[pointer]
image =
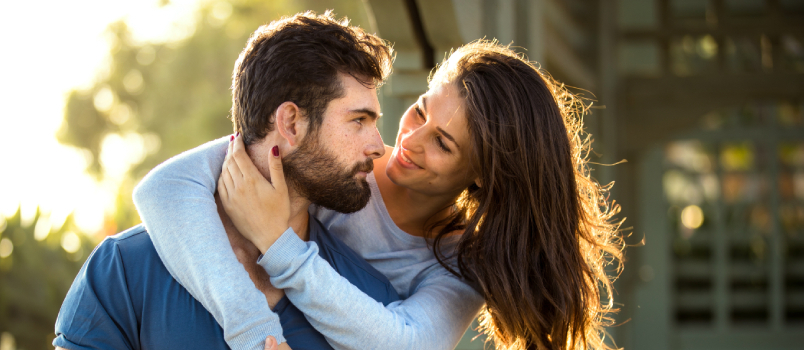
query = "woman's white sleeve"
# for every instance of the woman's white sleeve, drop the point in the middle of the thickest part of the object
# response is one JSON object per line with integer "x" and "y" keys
{"x": 435, "y": 316}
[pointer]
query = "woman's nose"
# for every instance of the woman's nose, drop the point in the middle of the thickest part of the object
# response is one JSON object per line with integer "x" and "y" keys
{"x": 412, "y": 140}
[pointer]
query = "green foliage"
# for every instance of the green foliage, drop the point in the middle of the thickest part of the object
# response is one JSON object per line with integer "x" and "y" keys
{"x": 34, "y": 280}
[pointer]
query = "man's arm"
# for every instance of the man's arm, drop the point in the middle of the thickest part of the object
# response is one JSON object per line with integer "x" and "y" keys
{"x": 176, "y": 204}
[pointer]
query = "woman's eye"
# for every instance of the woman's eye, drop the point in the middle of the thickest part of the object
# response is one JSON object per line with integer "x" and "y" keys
{"x": 441, "y": 145}
{"x": 419, "y": 112}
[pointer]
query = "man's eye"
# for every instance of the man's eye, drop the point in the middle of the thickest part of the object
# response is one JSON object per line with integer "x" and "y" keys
{"x": 360, "y": 120}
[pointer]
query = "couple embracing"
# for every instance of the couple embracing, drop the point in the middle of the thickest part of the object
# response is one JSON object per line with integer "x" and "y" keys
{"x": 303, "y": 227}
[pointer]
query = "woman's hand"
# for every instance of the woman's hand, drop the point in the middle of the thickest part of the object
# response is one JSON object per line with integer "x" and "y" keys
{"x": 259, "y": 209}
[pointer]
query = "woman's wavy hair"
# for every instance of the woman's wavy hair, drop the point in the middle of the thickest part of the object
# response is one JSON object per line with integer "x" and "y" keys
{"x": 539, "y": 238}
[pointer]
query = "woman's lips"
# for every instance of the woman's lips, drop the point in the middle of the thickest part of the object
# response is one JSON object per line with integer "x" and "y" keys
{"x": 404, "y": 161}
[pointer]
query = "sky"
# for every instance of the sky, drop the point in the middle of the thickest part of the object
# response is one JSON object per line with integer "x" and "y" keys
{"x": 50, "y": 48}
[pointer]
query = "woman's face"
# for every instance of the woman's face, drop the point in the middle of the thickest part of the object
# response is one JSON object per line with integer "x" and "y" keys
{"x": 432, "y": 146}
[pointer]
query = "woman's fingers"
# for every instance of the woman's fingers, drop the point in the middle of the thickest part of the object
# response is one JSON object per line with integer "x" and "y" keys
{"x": 277, "y": 173}
{"x": 222, "y": 191}
{"x": 231, "y": 163}
{"x": 228, "y": 183}
{"x": 244, "y": 162}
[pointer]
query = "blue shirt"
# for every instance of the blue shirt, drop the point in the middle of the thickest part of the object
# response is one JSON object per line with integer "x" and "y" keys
{"x": 124, "y": 298}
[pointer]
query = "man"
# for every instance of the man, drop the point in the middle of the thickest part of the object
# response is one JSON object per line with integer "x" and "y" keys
{"x": 304, "y": 88}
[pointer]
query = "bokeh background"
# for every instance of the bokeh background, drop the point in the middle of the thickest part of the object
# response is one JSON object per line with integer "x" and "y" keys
{"x": 704, "y": 99}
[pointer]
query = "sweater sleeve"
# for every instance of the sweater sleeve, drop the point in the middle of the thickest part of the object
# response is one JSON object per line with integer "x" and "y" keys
{"x": 177, "y": 206}
{"x": 435, "y": 316}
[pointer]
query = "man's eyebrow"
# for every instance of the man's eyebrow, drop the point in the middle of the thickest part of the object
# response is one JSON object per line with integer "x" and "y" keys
{"x": 371, "y": 113}
{"x": 447, "y": 136}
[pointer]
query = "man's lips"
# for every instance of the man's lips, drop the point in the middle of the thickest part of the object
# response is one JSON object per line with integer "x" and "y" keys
{"x": 404, "y": 161}
{"x": 364, "y": 169}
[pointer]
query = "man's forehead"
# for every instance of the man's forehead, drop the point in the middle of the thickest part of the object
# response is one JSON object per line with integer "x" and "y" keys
{"x": 356, "y": 98}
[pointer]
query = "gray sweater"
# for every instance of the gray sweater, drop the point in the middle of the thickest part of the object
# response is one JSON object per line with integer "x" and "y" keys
{"x": 435, "y": 310}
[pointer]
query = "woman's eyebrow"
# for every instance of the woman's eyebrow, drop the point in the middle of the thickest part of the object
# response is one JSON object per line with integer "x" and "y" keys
{"x": 424, "y": 103}
{"x": 442, "y": 131}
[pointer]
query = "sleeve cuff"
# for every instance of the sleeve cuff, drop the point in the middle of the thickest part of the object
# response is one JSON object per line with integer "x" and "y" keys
{"x": 282, "y": 253}
{"x": 245, "y": 340}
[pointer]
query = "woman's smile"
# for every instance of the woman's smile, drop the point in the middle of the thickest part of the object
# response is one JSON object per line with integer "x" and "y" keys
{"x": 403, "y": 159}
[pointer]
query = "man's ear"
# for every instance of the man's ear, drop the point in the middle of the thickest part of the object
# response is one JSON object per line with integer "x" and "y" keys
{"x": 290, "y": 123}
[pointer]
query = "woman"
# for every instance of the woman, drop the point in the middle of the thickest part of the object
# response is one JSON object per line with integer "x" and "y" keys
{"x": 503, "y": 200}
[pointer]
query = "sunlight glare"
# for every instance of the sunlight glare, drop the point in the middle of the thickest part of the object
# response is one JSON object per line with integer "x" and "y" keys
{"x": 42, "y": 228}
{"x": 27, "y": 213}
{"x": 7, "y": 341}
{"x": 104, "y": 99}
{"x": 119, "y": 153}
{"x": 220, "y": 13}
{"x": 40, "y": 171}
{"x": 692, "y": 217}
{"x": 6, "y": 247}
{"x": 133, "y": 82}
{"x": 120, "y": 114}
{"x": 70, "y": 242}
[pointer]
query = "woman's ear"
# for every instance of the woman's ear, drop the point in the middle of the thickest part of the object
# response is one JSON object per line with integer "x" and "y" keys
{"x": 477, "y": 182}
{"x": 290, "y": 123}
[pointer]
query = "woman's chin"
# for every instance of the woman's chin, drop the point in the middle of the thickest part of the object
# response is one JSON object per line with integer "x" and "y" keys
{"x": 396, "y": 174}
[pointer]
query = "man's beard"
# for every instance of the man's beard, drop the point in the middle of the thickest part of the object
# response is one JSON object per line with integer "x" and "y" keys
{"x": 316, "y": 175}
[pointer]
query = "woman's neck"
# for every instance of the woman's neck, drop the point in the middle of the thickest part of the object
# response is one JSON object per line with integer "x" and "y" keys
{"x": 411, "y": 211}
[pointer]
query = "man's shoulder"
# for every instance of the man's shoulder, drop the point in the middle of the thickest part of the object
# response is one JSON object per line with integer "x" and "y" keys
{"x": 132, "y": 236}
{"x": 125, "y": 293}
{"x": 134, "y": 241}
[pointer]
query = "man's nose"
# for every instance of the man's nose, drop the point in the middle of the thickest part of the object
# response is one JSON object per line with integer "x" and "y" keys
{"x": 375, "y": 148}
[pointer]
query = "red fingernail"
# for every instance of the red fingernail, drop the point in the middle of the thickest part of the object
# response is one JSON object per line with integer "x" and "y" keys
{"x": 231, "y": 138}
{"x": 275, "y": 151}
{"x": 238, "y": 133}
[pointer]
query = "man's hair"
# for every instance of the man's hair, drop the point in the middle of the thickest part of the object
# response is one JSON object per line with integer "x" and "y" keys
{"x": 298, "y": 59}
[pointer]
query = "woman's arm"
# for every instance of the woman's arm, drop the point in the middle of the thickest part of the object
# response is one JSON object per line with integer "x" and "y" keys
{"x": 176, "y": 203}
{"x": 433, "y": 317}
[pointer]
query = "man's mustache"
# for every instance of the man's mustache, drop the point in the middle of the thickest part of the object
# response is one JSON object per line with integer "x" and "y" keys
{"x": 366, "y": 166}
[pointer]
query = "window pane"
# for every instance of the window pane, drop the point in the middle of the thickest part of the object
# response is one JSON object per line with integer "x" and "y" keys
{"x": 637, "y": 14}
{"x": 639, "y": 58}
{"x": 693, "y": 55}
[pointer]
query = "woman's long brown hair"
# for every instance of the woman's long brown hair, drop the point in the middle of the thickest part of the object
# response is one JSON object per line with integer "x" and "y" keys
{"x": 539, "y": 242}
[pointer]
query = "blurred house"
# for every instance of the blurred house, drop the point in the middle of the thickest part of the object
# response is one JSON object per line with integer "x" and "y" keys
{"x": 705, "y": 100}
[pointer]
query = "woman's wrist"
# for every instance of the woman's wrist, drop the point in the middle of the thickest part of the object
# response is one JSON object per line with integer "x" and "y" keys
{"x": 264, "y": 241}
